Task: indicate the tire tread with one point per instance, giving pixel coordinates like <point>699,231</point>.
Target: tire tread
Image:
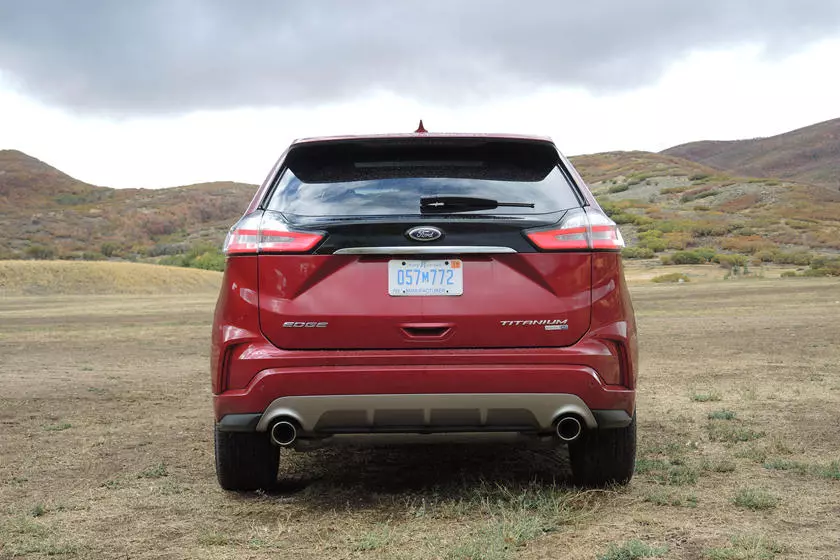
<point>245,461</point>
<point>604,457</point>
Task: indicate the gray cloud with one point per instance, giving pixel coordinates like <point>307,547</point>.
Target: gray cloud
<point>130,57</point>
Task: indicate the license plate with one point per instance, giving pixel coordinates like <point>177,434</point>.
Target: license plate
<point>426,278</point>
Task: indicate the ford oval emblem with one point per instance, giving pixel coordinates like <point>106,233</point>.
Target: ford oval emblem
<point>424,233</point>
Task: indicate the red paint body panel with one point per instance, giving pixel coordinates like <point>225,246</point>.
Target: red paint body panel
<point>350,293</point>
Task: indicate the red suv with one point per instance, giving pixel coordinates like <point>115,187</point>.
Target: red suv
<point>423,287</point>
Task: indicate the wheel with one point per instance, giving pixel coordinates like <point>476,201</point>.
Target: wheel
<point>603,457</point>
<point>245,460</point>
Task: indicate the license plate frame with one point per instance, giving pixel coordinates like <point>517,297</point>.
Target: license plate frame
<point>425,278</point>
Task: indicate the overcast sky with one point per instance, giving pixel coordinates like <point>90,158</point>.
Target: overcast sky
<point>156,93</point>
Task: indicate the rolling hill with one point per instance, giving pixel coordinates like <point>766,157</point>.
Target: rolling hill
<point>807,155</point>
<point>45,213</point>
<point>667,204</point>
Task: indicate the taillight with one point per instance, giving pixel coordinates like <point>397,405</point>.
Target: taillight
<point>264,233</point>
<point>580,230</point>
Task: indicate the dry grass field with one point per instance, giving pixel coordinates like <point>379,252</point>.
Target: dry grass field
<point>95,278</point>
<point>106,445</point>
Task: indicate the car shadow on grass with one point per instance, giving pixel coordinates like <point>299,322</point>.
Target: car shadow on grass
<point>331,477</point>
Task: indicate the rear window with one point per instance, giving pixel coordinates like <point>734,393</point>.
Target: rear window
<point>387,178</point>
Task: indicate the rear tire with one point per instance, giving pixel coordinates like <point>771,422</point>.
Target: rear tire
<point>603,457</point>
<point>245,460</point>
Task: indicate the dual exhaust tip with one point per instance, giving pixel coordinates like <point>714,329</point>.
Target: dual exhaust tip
<point>568,428</point>
<point>283,433</point>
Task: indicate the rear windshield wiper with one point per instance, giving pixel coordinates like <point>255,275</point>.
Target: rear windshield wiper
<point>449,204</point>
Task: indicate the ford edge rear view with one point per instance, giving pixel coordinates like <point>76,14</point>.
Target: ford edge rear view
<point>423,287</point>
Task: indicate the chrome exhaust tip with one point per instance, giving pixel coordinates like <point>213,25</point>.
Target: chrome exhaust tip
<point>568,428</point>
<point>283,433</point>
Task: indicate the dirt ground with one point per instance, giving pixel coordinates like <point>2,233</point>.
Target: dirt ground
<point>106,446</point>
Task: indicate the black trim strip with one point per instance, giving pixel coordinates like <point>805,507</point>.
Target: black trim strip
<point>239,422</point>
<point>612,419</point>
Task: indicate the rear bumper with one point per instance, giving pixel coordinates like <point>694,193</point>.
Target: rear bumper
<point>325,415</point>
<point>327,400</point>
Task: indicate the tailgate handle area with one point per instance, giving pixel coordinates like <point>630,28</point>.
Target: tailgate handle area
<point>427,331</point>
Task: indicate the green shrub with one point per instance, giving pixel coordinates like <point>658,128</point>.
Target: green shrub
<point>800,258</point>
<point>206,257</point>
<point>655,244</point>
<point>696,256</point>
<point>789,274</point>
<point>755,499</point>
<point>632,550</point>
<point>668,226</point>
<point>70,199</point>
<point>689,196</point>
<point>623,218</point>
<point>787,465</point>
<point>167,249</point>
<point>671,277</point>
<point>637,253</point>
<point>686,257</point>
<point>830,471</point>
<point>765,256</point>
<point>155,471</point>
<point>609,208</point>
<point>642,221</point>
<point>722,466</point>
<point>722,415</point>
<point>820,272</point>
<point>731,261</point>
<point>824,266</point>
<point>209,260</point>
<point>39,252</point>
<point>746,547</point>
<point>638,178</point>
<point>707,253</point>
<point>618,188</point>
<point>800,224</point>
<point>108,249</point>
<point>709,229</point>
<point>650,234</point>
<point>731,433</point>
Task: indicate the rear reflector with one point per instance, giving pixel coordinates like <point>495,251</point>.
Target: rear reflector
<point>263,233</point>
<point>580,230</point>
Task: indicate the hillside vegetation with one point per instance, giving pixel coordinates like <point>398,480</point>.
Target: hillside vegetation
<point>71,278</point>
<point>808,155</point>
<point>669,208</point>
<point>46,214</point>
<point>690,214</point>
